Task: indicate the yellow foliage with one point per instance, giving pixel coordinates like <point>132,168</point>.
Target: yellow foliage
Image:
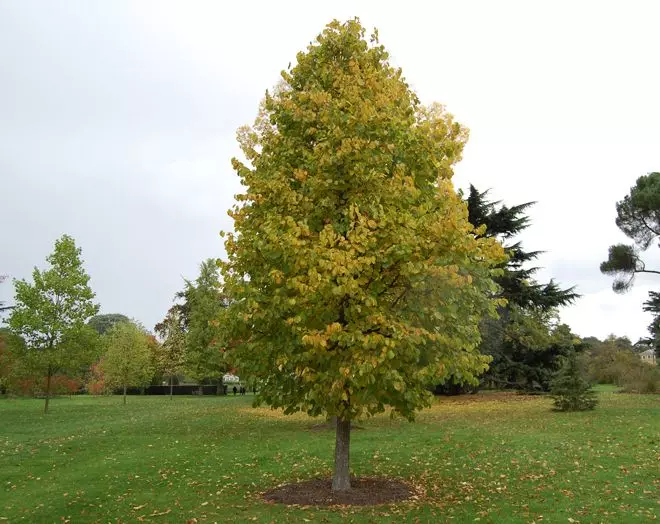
<point>353,267</point>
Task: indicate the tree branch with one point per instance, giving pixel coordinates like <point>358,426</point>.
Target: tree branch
<point>646,271</point>
<point>649,227</point>
<point>405,290</point>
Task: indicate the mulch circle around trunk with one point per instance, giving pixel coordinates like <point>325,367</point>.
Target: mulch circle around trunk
<point>318,492</point>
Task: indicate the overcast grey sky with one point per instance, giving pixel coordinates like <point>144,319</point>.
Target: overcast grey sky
<point>118,120</point>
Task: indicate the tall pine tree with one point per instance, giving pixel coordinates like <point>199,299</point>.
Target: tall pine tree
<point>638,217</point>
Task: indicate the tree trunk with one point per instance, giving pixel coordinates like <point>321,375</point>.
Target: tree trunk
<point>124,395</point>
<point>171,386</point>
<point>341,481</point>
<point>50,373</point>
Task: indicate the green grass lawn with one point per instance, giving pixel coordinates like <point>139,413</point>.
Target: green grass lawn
<point>485,458</point>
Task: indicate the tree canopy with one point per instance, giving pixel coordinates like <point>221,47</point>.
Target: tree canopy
<point>638,216</point>
<point>517,284</point>
<point>198,314</point>
<point>171,354</point>
<point>103,323</point>
<point>127,360</point>
<point>354,278</point>
<point>51,312</point>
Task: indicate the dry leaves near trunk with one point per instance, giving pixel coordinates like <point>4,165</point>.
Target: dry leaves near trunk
<point>318,492</point>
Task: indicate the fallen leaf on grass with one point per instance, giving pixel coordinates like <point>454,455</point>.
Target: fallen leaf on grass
<point>159,514</point>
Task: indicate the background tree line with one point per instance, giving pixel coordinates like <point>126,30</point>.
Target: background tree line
<point>55,335</point>
<point>56,343</point>
<point>53,346</point>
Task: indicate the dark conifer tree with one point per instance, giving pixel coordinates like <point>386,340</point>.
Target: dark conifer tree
<point>652,305</point>
<point>569,389</point>
<point>520,360</point>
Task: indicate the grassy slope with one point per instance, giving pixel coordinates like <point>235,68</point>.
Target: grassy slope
<point>486,457</point>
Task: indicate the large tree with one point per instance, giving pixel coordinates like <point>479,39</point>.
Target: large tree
<point>127,361</point>
<point>526,342</point>
<point>50,315</point>
<point>355,279</point>
<point>516,282</point>
<point>638,216</point>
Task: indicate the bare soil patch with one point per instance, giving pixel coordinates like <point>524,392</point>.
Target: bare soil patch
<point>318,492</point>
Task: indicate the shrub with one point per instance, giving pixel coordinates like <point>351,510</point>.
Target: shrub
<point>96,384</point>
<point>641,378</point>
<point>59,385</point>
<point>624,368</point>
<point>569,389</point>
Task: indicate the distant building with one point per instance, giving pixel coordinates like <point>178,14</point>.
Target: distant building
<point>648,356</point>
<point>230,379</point>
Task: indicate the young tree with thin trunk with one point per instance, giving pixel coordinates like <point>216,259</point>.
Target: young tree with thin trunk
<point>127,361</point>
<point>171,354</point>
<point>50,315</point>
<point>354,280</point>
